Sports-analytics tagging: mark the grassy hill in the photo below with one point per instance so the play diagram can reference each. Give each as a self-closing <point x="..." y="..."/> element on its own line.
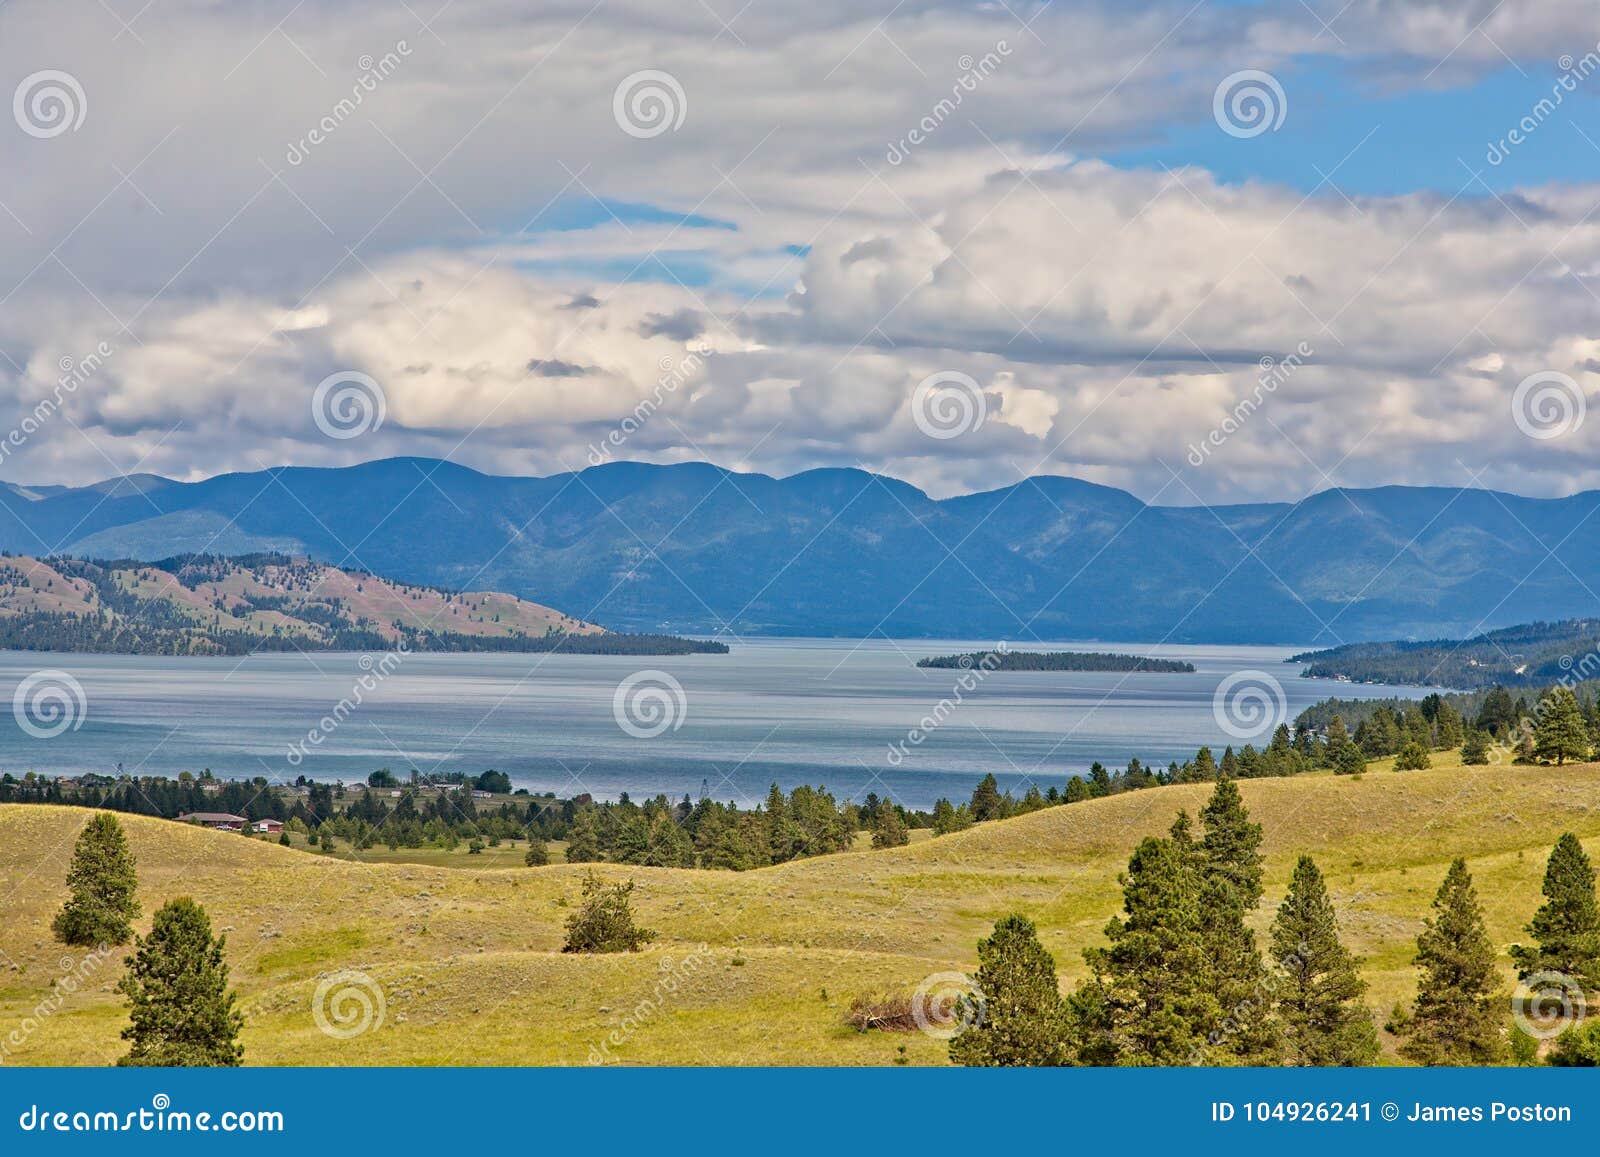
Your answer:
<point x="470" y="965"/>
<point x="205" y="604"/>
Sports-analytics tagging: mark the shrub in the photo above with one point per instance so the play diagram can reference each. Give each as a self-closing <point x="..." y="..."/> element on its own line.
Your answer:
<point x="538" y="854"/>
<point x="605" y="921"/>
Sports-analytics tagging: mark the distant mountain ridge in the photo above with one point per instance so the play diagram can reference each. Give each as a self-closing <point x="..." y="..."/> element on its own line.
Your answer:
<point x="841" y="552"/>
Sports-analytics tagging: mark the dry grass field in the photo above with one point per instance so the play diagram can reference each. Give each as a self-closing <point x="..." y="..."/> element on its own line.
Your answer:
<point x="750" y="968"/>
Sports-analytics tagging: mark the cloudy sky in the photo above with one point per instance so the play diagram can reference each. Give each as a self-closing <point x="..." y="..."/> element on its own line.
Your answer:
<point x="1201" y="250"/>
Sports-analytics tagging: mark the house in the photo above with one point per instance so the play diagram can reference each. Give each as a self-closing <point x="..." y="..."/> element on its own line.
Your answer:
<point x="269" y="827"/>
<point x="482" y="795"/>
<point x="217" y="821"/>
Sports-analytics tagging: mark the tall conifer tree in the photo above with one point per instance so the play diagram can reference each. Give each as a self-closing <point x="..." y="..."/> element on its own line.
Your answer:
<point x="1319" y="1001"/>
<point x="1460" y="1009"/>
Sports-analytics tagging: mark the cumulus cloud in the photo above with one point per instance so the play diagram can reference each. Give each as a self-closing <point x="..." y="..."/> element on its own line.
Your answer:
<point x="262" y="196"/>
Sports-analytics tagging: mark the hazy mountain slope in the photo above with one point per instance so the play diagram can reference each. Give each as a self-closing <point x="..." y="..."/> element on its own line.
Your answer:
<point x="844" y="552"/>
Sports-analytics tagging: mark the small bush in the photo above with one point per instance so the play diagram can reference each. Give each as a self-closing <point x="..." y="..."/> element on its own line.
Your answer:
<point x="605" y="921"/>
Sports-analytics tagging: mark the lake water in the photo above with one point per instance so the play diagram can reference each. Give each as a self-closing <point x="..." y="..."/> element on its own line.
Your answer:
<point x="835" y="712"/>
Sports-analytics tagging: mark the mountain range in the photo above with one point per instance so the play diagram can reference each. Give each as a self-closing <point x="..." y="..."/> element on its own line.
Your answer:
<point x="840" y="552"/>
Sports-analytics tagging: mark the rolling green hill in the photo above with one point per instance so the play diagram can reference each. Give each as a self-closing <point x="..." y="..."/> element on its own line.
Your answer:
<point x="765" y="962"/>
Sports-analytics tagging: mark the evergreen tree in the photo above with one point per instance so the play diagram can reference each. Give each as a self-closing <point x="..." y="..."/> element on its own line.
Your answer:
<point x="1350" y="760"/>
<point x="1561" y="733"/>
<point x="1151" y="1001"/>
<point x="583" y="840"/>
<point x="890" y="831"/>
<point x="1338" y="735"/>
<point x="944" y="817"/>
<point x="1204" y="769"/>
<point x="103" y="905"/>
<point x="1077" y="790"/>
<point x="1460" y="1007"/>
<point x="1230" y="888"/>
<point x="1099" y="780"/>
<point x="604" y="922"/>
<point x="177" y="987"/>
<point x="1413" y="756"/>
<point x="1475" y="750"/>
<point x="1319" y="1004"/>
<point x="1024" y="1020"/>
<point x="538" y="854"/>
<point x="1566" y="929"/>
<point x="986" y="800"/>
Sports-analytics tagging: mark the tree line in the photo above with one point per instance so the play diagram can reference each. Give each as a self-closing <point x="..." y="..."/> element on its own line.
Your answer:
<point x="1181" y="979"/>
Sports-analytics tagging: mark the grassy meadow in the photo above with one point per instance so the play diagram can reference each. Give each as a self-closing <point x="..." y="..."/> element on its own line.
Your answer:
<point x="748" y="968"/>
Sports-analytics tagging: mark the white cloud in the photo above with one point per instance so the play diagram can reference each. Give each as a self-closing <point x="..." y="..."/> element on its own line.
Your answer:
<point x="1114" y="317"/>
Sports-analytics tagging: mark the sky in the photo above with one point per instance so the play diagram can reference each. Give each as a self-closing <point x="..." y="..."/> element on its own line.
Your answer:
<point x="1207" y="252"/>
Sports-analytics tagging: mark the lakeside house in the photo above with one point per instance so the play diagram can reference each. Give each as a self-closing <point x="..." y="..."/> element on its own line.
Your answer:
<point x="217" y="821"/>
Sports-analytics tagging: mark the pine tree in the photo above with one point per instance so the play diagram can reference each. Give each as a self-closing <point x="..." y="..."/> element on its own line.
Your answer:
<point x="1561" y="733"/>
<point x="1566" y="928"/>
<point x="604" y="922"/>
<point x="1319" y="1004"/>
<point x="1338" y="735"/>
<point x="1205" y="766"/>
<point x="1458" y="1019"/>
<point x="1151" y="993"/>
<point x="103" y="904"/>
<point x="1350" y="760"/>
<point x="583" y="840"/>
<point x="538" y="854"/>
<point x="1077" y="790"/>
<point x="1231" y="868"/>
<point x="890" y="831"/>
<point x="1413" y="756"/>
<point x="1023" y="1018"/>
<point x="1475" y="750"/>
<point x="177" y="986"/>
<point x="986" y="799"/>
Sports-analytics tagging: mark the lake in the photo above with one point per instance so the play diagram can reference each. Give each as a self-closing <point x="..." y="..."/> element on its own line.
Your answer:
<point x="854" y="716"/>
